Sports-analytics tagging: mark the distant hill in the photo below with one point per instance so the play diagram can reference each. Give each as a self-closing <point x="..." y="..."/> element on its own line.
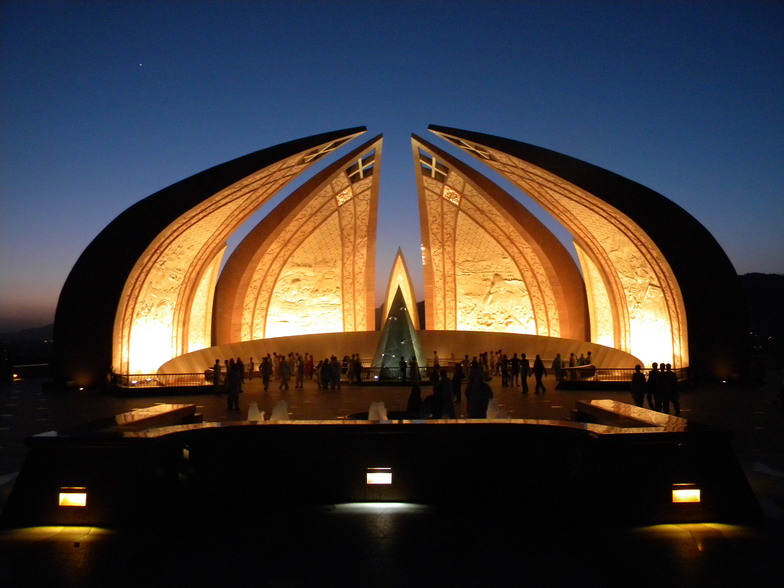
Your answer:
<point x="29" y="346"/>
<point x="33" y="334"/>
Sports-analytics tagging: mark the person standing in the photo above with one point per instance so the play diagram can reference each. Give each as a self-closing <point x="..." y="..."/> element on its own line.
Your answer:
<point x="414" y="404"/>
<point x="403" y="365"/>
<point x="652" y="386"/>
<point x="638" y="386"/>
<point x="557" y="367"/>
<point x="334" y="373"/>
<point x="235" y="387"/>
<point x="285" y="374"/>
<point x="299" y="370"/>
<point x="350" y="365"/>
<point x="250" y="369"/>
<point x="216" y="376"/>
<point x="539" y="373"/>
<point x="457" y="381"/>
<point x="415" y="376"/>
<point x="504" y="371"/>
<point x="479" y="394"/>
<point x="436" y="371"/>
<point x="515" y="370"/>
<point x="266" y="371"/>
<point x="241" y="369"/>
<point x="325" y="373"/>
<point x="444" y="389"/>
<point x="358" y="369"/>
<point x="525" y="372"/>
<point x="675" y="395"/>
<point x="666" y="385"/>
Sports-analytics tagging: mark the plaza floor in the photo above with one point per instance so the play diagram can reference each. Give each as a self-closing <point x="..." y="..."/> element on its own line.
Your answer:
<point x="379" y="544"/>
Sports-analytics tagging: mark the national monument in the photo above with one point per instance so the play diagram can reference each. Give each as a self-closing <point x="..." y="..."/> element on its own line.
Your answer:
<point x="152" y="293"/>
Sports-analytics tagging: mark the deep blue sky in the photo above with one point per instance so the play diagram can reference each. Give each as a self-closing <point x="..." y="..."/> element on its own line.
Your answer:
<point x="104" y="103"/>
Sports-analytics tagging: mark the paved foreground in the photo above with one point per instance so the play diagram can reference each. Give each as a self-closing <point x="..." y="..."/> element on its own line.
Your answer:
<point x="395" y="544"/>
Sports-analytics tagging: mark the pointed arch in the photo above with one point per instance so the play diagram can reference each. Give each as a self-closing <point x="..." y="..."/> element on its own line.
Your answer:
<point x="399" y="278"/>
<point x="489" y="264"/>
<point x="308" y="266"/>
<point x="659" y="268"/>
<point x="142" y="277"/>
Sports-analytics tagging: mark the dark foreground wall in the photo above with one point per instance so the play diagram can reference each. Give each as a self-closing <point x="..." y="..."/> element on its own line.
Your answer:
<point x="556" y="471"/>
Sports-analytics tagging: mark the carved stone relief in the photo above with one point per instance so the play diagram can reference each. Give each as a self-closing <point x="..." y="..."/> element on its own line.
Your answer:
<point x="641" y="285"/>
<point x="312" y="278"/>
<point x="599" y="305"/>
<point x="153" y="317"/>
<point x="484" y="273"/>
<point x="200" y="320"/>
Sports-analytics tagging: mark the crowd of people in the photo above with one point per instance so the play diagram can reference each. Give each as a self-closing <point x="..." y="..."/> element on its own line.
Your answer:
<point x="660" y="388"/>
<point x="230" y="376"/>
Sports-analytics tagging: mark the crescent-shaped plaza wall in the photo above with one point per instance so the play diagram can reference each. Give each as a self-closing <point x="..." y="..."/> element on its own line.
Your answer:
<point x="155" y="265"/>
<point x="638" y="248"/>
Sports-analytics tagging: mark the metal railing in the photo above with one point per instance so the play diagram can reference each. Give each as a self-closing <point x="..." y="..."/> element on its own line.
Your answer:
<point x="378" y="375"/>
<point x="591" y="373"/>
<point x="161" y="380"/>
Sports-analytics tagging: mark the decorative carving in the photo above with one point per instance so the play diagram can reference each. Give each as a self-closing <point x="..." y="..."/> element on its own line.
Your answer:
<point x="481" y="272"/>
<point x="602" y="323"/>
<point x="200" y="320"/>
<point x="310" y="275"/>
<point x="625" y="268"/>
<point x="162" y="291"/>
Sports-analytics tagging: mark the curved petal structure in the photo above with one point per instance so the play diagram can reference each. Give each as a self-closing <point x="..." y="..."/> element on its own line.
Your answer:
<point x="149" y="289"/>
<point x="647" y="262"/>
<point x="308" y="266"/>
<point x="489" y="264"/>
<point x="130" y="300"/>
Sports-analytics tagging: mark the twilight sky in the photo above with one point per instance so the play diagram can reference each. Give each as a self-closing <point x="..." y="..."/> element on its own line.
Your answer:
<point x="104" y="103"/>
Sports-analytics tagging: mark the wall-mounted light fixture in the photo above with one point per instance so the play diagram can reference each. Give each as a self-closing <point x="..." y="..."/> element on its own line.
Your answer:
<point x="379" y="476"/>
<point x="73" y="496"/>
<point x="686" y="492"/>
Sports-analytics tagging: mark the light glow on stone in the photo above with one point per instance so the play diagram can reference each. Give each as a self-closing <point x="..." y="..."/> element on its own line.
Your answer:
<point x="379" y="476"/>
<point x="73" y="496"/>
<point x="649" y="319"/>
<point x="682" y="493"/>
